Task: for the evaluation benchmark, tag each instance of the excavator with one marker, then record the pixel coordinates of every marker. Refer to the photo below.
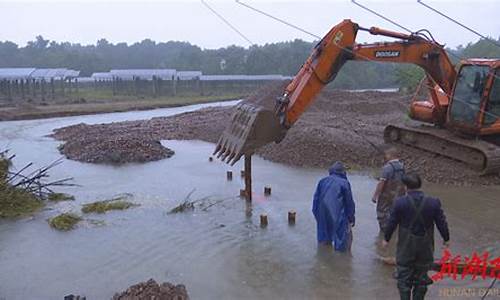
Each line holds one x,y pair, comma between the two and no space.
459,117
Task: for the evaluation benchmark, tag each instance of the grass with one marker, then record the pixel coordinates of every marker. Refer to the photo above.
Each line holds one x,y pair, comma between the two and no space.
65,221
101,207
99,96
58,197
15,202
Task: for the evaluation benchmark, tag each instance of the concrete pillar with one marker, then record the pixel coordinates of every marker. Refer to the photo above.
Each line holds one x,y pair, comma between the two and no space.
23,95
160,86
42,84
136,86
9,91
155,88
114,82
52,89
33,87
16,87
174,86
62,86
27,85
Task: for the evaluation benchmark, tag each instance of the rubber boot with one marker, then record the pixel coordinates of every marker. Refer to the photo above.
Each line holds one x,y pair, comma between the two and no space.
405,295
419,293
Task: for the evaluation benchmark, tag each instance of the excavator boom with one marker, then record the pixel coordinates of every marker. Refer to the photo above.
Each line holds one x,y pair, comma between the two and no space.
265,117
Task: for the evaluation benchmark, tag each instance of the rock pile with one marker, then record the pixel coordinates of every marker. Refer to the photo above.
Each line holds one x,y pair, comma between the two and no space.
152,290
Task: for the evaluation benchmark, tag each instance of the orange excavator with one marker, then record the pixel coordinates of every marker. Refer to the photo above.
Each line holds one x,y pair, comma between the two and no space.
463,103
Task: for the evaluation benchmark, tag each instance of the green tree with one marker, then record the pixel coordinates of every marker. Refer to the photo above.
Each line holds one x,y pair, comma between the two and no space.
408,77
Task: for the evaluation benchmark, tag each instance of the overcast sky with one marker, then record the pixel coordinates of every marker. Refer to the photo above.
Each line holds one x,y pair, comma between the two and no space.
189,20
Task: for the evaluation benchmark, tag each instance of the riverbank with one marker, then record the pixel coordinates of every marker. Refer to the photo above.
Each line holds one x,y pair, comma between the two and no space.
340,125
75,107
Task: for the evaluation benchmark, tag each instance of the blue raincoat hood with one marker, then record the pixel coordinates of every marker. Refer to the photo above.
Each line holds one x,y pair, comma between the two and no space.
338,169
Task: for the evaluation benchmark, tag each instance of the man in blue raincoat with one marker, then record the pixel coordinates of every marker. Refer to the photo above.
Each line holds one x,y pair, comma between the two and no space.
333,208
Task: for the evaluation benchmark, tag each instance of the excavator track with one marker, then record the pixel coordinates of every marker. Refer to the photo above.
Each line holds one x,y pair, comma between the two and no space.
479,154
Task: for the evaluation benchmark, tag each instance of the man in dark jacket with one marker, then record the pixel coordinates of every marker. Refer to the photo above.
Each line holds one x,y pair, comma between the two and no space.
415,214
333,208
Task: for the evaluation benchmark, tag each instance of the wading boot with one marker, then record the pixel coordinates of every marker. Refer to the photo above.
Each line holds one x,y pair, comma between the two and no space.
419,293
405,295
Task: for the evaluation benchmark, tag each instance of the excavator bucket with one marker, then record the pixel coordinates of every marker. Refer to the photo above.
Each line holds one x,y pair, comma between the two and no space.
253,124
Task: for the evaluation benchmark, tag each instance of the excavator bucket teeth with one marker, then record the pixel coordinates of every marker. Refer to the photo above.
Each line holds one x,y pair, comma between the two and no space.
251,127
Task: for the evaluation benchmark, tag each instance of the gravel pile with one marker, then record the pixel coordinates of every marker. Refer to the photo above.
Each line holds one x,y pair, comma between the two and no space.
113,149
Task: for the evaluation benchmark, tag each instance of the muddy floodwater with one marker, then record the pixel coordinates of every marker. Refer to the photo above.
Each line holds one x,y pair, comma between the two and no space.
220,252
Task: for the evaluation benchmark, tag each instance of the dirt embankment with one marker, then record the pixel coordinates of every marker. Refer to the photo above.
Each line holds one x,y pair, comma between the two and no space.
152,290
340,125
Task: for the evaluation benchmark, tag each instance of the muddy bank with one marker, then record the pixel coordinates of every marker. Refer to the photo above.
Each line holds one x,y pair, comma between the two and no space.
340,125
30,111
152,290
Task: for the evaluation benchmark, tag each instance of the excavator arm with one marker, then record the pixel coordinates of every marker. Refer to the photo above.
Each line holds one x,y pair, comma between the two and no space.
338,46
253,126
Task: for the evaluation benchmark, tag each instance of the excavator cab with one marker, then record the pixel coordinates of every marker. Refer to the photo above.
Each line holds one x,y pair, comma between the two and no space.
475,106
491,117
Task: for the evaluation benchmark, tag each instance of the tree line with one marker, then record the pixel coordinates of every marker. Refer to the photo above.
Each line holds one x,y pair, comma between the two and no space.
275,58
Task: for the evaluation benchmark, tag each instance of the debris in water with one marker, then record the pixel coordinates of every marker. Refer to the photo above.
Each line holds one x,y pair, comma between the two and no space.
95,222
58,197
100,207
206,207
22,194
184,206
152,290
204,203
74,297
65,221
